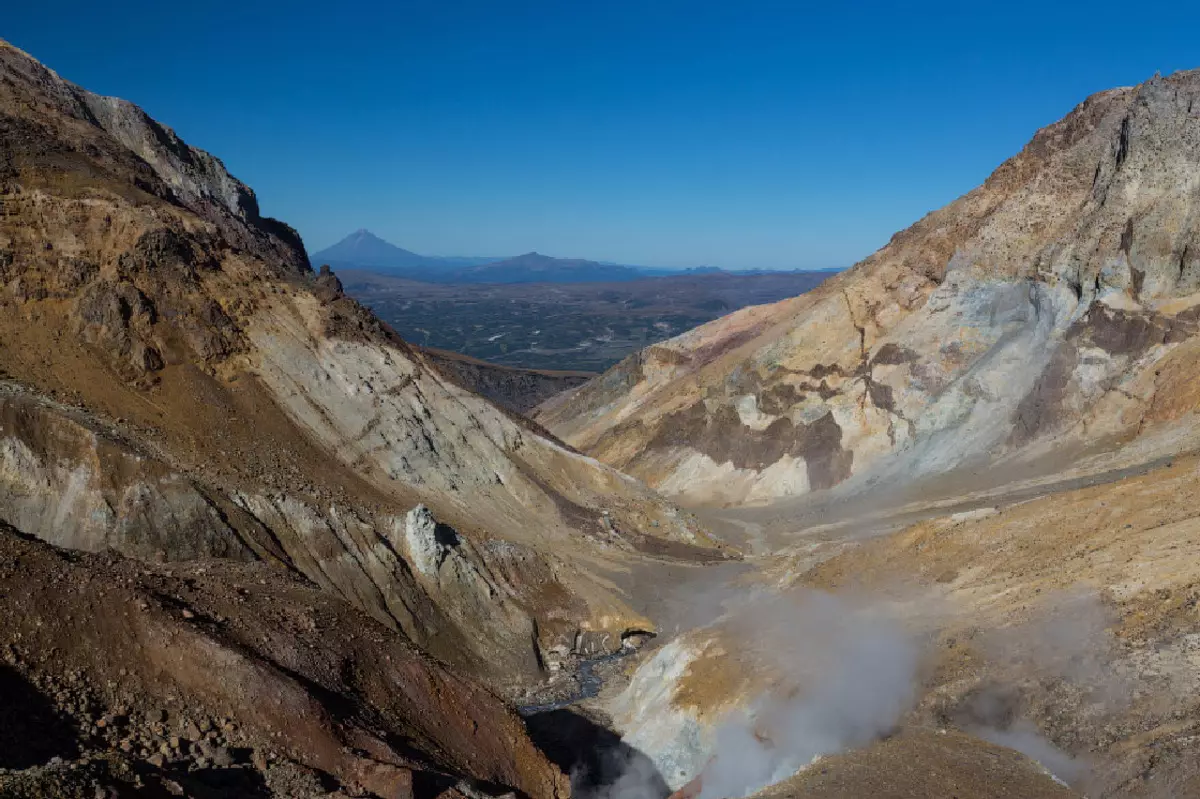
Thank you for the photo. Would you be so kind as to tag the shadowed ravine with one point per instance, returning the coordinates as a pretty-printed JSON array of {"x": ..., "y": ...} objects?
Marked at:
[{"x": 598, "y": 761}]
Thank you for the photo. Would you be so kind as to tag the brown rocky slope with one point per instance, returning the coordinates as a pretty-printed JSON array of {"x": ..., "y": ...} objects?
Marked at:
[
  {"x": 218, "y": 678},
  {"x": 1051, "y": 311},
  {"x": 178, "y": 383}
]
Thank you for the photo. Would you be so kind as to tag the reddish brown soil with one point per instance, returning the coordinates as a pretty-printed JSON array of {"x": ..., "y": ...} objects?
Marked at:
[{"x": 113, "y": 660}]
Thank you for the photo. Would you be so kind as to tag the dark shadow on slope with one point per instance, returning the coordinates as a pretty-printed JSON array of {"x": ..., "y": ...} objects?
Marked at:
[
  {"x": 31, "y": 729},
  {"x": 445, "y": 535},
  {"x": 594, "y": 756},
  {"x": 214, "y": 782},
  {"x": 430, "y": 784}
]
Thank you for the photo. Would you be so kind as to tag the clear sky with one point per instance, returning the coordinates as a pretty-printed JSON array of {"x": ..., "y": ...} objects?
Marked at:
[{"x": 739, "y": 134}]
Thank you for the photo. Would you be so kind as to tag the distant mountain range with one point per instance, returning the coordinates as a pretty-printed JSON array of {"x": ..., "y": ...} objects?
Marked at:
[{"x": 364, "y": 250}]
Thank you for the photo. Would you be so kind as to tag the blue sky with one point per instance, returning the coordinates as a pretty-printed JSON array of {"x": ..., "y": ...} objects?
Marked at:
[{"x": 740, "y": 134}]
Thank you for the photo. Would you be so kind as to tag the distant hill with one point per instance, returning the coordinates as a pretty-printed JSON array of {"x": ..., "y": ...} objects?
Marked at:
[
  {"x": 364, "y": 250},
  {"x": 534, "y": 267}
]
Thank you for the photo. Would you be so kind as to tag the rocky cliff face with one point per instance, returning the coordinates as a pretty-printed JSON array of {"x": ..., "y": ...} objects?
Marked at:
[
  {"x": 178, "y": 383},
  {"x": 1052, "y": 309}
]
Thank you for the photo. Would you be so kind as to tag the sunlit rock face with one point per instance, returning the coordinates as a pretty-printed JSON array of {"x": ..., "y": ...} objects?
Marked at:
[
  {"x": 1042, "y": 309},
  {"x": 176, "y": 382}
]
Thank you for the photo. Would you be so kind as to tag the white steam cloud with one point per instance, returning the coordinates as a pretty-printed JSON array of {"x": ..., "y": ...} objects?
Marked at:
[{"x": 846, "y": 676}]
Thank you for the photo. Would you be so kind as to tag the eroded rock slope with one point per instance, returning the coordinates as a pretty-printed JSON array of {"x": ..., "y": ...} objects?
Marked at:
[{"x": 178, "y": 383}]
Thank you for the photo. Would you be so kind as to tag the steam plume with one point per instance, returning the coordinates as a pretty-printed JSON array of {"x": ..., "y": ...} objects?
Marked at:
[{"x": 846, "y": 676}]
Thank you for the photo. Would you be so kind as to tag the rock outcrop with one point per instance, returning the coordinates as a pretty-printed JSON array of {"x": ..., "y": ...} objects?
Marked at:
[
  {"x": 1049, "y": 311},
  {"x": 178, "y": 383}
]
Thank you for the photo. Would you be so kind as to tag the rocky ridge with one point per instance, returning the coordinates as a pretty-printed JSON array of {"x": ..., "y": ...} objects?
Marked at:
[
  {"x": 181, "y": 384},
  {"x": 1047, "y": 314}
]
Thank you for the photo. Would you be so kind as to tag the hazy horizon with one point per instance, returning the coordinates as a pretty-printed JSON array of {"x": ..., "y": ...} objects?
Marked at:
[{"x": 314, "y": 251}]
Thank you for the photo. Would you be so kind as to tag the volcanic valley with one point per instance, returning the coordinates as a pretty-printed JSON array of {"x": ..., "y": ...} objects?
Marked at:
[{"x": 929, "y": 528}]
